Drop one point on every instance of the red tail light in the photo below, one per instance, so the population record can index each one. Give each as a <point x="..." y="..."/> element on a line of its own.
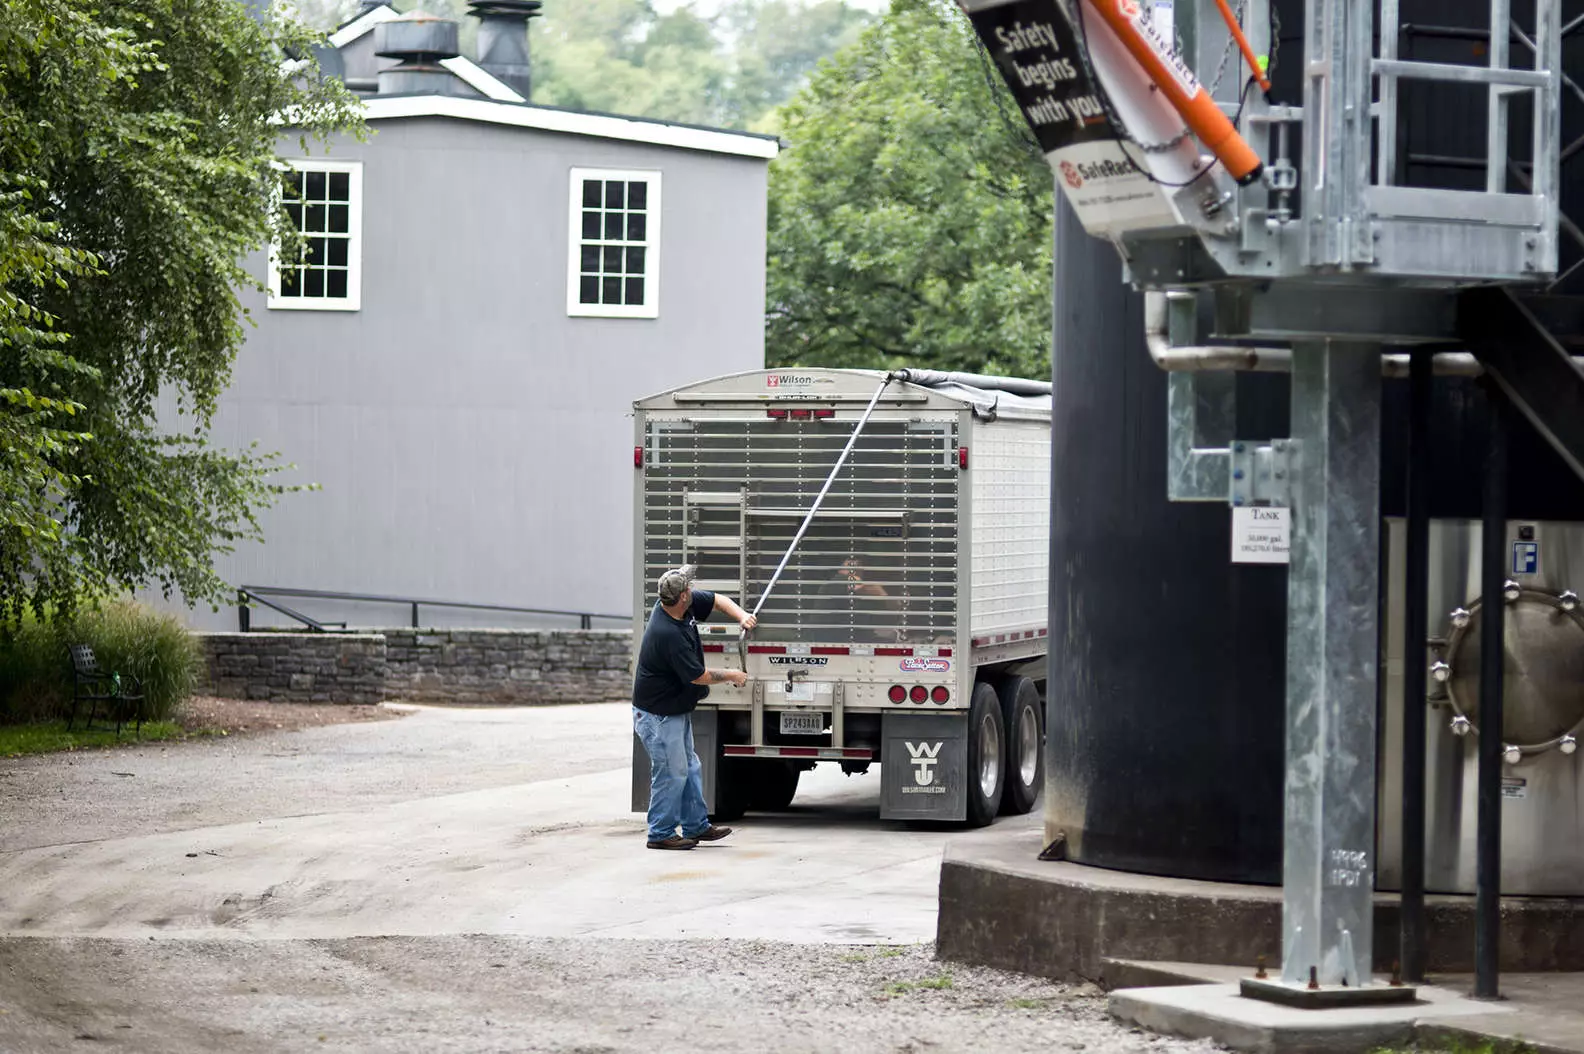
<point x="962" y="457"/>
<point x="940" y="694"/>
<point x="918" y="694"/>
<point x="897" y="693"/>
<point x="637" y="457"/>
<point x="801" y="415"/>
<point x="777" y="414"/>
<point x="822" y="414"/>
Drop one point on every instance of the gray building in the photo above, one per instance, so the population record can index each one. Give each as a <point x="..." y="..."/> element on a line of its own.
<point x="488" y="286"/>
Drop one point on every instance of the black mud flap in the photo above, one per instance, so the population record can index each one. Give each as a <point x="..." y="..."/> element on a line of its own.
<point x="704" y="741"/>
<point x="923" y="766"/>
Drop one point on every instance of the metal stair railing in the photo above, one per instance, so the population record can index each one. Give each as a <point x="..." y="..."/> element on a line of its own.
<point x="248" y="595"/>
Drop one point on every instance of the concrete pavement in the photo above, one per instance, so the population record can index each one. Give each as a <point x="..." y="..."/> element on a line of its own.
<point x="497" y="822"/>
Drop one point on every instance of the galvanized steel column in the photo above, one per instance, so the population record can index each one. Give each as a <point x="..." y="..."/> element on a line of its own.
<point x="1328" y="873"/>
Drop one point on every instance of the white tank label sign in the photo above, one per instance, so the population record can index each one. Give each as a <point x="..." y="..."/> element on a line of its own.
<point x="1261" y="534"/>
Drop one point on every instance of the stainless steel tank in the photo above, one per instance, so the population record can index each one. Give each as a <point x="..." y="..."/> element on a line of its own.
<point x="1543" y="720"/>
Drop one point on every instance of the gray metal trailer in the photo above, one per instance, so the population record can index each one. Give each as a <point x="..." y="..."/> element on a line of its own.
<point x="907" y="623"/>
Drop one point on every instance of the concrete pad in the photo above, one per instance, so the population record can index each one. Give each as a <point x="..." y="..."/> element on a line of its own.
<point x="1000" y="905"/>
<point x="1218" y="1012"/>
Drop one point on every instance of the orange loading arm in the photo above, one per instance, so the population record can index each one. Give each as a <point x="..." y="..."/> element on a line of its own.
<point x="1203" y="117"/>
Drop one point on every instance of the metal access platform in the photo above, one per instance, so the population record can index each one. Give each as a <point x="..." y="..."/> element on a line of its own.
<point x="1335" y="206"/>
<point x="1303" y="230"/>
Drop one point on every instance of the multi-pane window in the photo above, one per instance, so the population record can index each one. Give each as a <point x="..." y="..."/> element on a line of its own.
<point x="615" y="243"/>
<point x="324" y="202"/>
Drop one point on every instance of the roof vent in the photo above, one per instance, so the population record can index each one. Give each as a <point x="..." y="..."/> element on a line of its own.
<point x="419" y="42"/>
<point x="503" y="40"/>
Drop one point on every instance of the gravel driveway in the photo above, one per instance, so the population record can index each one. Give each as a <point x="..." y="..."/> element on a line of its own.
<point x="473" y="881"/>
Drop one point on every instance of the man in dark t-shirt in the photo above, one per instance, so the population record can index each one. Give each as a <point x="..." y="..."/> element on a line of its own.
<point x="670" y="680"/>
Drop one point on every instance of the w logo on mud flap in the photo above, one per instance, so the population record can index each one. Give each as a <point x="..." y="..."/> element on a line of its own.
<point x="924" y="757"/>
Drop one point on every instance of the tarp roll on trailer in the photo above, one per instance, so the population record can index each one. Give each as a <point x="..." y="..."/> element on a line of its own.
<point x="938" y="378"/>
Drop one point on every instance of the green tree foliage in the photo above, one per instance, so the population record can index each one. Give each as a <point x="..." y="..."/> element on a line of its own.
<point x="910" y="219"/>
<point x="136" y="149"/>
<point x="729" y="70"/>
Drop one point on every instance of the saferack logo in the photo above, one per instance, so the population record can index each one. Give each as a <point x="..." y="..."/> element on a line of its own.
<point x="1095" y="171"/>
<point x="924" y="757"/>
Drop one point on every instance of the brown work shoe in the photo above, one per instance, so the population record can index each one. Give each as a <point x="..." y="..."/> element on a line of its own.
<point x="674" y="842"/>
<point x="712" y="833"/>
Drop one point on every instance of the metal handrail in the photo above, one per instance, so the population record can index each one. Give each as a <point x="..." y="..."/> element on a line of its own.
<point x="247" y="594"/>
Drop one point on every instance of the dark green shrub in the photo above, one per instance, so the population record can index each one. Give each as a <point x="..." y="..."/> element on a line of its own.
<point x="128" y="638"/>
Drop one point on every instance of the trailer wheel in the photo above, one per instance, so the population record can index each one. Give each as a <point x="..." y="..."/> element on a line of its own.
<point x="733" y="784"/>
<point x="773" y="787"/>
<point x="986" y="756"/>
<point x="1022" y="711"/>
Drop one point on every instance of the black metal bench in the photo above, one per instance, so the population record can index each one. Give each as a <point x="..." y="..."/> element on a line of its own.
<point x="92" y="685"/>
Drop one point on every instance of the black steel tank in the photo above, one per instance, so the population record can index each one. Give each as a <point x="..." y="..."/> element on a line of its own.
<point x="1166" y="690"/>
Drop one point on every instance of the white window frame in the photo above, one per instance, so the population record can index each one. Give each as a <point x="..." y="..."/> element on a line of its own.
<point x="650" y="308"/>
<point x="353" y="301"/>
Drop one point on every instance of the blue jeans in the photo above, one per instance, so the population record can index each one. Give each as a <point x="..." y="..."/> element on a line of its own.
<point x="676" y="785"/>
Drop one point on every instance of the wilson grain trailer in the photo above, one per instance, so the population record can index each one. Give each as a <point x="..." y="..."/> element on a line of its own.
<point x="890" y="530"/>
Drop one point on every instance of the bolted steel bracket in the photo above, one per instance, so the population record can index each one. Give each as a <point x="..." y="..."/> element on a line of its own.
<point x="1261" y="474"/>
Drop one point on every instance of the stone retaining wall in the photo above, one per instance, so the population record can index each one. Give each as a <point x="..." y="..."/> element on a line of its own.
<point x="508" y="666"/>
<point x="520" y="667"/>
<point x="296" y="667"/>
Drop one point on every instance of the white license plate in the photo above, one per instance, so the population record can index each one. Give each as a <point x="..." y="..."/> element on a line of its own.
<point x="802" y="724"/>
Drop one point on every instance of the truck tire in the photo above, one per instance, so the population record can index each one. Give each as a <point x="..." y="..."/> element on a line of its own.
<point x="986" y="776"/>
<point x="773" y="787"/>
<point x="1023" y="714"/>
<point x="733" y="784"/>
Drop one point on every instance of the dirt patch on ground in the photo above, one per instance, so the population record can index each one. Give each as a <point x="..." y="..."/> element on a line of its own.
<point x="204" y="713"/>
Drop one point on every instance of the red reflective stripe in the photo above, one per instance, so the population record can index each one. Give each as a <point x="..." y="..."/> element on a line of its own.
<point x="638" y="457"/>
<point x="767" y="649"/>
<point x="893" y="651"/>
<point x="738" y="751"/>
<point x="798" y="752"/>
<point x="714" y="647"/>
<point x="830" y="651"/>
<point x="944" y="653"/>
<point x="1043" y="632"/>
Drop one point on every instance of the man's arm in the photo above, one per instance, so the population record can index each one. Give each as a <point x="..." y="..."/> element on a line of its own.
<point x="728" y="607"/>
<point x="736" y="677"/>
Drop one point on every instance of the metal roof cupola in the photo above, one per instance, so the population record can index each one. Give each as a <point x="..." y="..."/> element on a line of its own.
<point x="419" y="42"/>
<point x="503" y="40"/>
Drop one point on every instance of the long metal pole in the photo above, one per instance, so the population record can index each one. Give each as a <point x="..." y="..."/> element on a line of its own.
<point x="1493" y="577"/>
<point x="1416" y="630"/>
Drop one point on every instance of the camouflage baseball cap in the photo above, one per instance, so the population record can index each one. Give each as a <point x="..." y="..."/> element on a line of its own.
<point x="674" y="583"/>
